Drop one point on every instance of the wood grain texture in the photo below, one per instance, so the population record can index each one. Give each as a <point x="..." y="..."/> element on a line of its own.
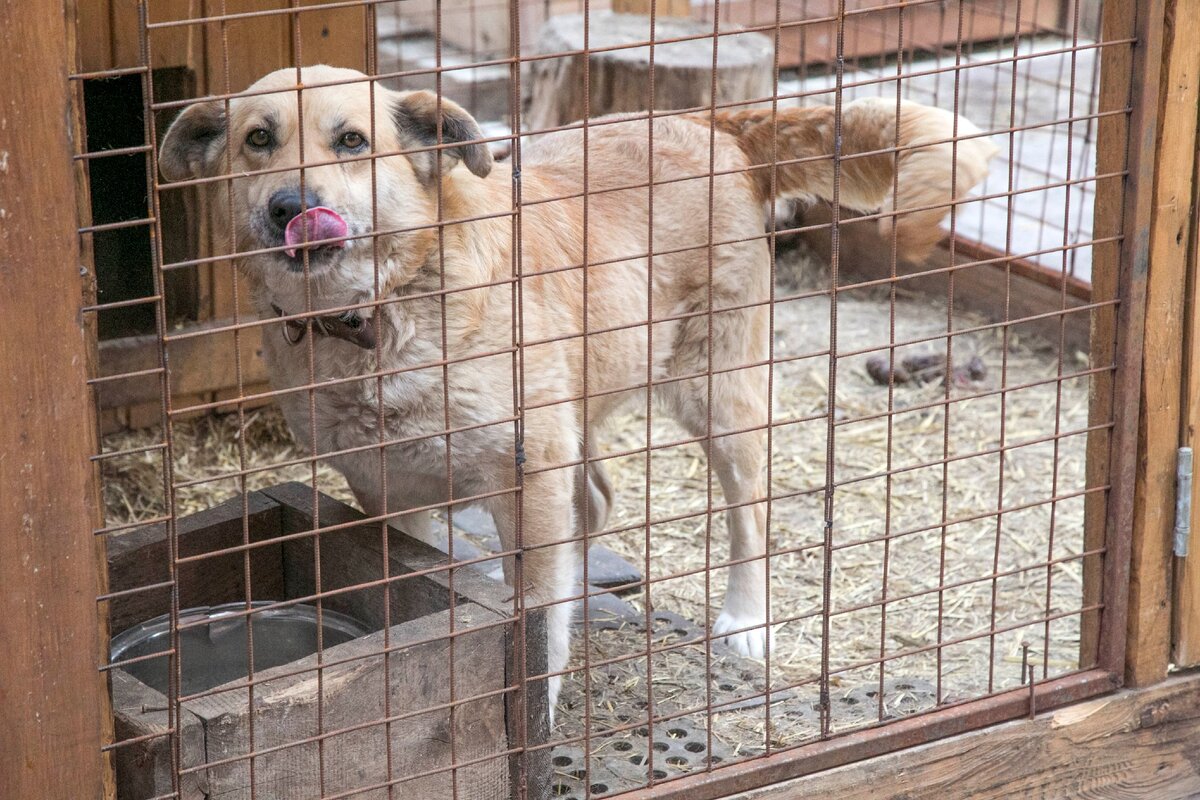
<point x="337" y="37"/>
<point x="350" y="690"/>
<point x="198" y="364"/>
<point x="1136" y="744"/>
<point x="351" y="694"/>
<point x="50" y="694"/>
<point x="78" y="17"/>
<point x="1111" y="154"/>
<point x="1161" y="386"/>
<point x="142" y="558"/>
<point x="1130" y="85"/>
<point x="1186" y="612"/>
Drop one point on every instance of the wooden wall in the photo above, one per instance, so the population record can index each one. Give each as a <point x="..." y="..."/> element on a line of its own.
<point x="222" y="57"/>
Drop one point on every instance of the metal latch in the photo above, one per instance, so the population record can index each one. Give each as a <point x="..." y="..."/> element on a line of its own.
<point x="1183" y="501"/>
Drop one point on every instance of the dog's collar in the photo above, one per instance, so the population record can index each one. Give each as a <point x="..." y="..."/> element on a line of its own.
<point x="349" y="326"/>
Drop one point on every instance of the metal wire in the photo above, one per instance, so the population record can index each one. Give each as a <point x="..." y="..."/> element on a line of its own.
<point x="1002" y="64"/>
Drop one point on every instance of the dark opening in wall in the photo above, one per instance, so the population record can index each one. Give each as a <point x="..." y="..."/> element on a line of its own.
<point x="124" y="260"/>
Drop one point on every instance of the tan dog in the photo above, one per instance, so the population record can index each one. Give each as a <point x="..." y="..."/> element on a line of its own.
<point x="438" y="362"/>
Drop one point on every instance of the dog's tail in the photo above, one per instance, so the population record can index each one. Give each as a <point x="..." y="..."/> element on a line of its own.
<point x="911" y="152"/>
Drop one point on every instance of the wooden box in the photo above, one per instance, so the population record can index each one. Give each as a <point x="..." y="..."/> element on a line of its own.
<point x="297" y="759"/>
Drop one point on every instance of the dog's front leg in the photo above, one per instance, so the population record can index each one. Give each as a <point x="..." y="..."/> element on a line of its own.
<point x="416" y="524"/>
<point x="547" y="565"/>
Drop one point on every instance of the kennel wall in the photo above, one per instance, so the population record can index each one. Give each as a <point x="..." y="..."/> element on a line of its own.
<point x="944" y="555"/>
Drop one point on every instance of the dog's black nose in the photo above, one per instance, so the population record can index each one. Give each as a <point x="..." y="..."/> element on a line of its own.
<point x="285" y="204"/>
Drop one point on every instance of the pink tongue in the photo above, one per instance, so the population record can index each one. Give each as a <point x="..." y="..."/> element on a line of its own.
<point x="313" y="226"/>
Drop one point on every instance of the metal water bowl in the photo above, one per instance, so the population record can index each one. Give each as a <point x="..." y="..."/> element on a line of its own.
<point x="214" y="645"/>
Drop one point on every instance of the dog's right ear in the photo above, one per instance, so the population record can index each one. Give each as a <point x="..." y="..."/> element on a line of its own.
<point x="194" y="142"/>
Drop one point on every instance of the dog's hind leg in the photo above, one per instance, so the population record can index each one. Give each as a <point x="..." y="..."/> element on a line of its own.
<point x="739" y="403"/>
<point x="738" y="461"/>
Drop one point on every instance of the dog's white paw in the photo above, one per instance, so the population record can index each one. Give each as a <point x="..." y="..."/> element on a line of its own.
<point x="752" y="642"/>
<point x="555" y="688"/>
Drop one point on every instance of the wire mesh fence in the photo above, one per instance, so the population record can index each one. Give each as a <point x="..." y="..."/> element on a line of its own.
<point x="465" y="440"/>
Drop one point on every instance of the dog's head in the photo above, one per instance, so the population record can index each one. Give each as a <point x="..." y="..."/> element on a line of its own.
<point x="261" y="138"/>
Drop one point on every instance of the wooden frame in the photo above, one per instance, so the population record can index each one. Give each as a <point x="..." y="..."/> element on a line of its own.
<point x="1162" y="388"/>
<point x="54" y="727"/>
<point x="1132" y="744"/>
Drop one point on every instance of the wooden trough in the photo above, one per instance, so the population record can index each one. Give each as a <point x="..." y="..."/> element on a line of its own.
<point x="281" y="561"/>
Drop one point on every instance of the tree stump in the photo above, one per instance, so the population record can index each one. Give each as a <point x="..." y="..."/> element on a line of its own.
<point x="619" y="80"/>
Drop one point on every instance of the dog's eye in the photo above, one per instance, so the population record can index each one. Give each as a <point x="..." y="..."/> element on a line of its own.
<point x="259" y="137"/>
<point x="352" y="140"/>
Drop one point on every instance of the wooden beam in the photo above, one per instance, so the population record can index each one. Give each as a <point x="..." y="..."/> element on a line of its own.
<point x="1161" y="387"/>
<point x="1035" y="306"/>
<point x="77" y="18"/>
<point x="1126" y="147"/>
<point x="198" y="364"/>
<point x="50" y="693"/>
<point x="1186" y="611"/>
<point x="1111" y="155"/>
<point x="1138" y="743"/>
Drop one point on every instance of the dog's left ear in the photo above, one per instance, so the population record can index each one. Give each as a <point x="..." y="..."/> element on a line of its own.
<point x="416" y="118"/>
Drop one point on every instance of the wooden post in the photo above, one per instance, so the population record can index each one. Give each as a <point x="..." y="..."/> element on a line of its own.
<point x="1186" y="611"/>
<point x="83" y="211"/>
<point x="50" y="690"/>
<point x="1161" y="386"/>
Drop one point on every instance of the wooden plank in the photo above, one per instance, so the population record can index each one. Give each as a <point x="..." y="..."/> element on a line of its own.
<point x="864" y="255"/>
<point x="300" y="514"/>
<point x="1123" y="209"/>
<point x="51" y="726"/>
<point x="77" y="16"/>
<point x="95" y="49"/>
<point x="1161" y="387"/>
<point x="663" y="8"/>
<point x="361" y="686"/>
<point x="360" y="555"/>
<point x="142" y="557"/>
<point x="337" y="37"/>
<point x="254" y="46"/>
<point x="927" y="26"/>
<point x="1111" y="154"/>
<point x="146" y="768"/>
<point x="1139" y="743"/>
<point x="198" y="364"/>
<point x="1186" y="610"/>
<point x="176" y="46"/>
<point x="231" y="396"/>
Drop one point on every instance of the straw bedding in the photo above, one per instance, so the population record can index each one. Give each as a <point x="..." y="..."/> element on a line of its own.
<point x="883" y="530"/>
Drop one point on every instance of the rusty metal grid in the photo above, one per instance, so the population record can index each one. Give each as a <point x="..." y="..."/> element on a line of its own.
<point x="533" y="755"/>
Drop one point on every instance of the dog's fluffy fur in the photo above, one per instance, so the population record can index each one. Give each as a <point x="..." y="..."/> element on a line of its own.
<point x="444" y="361"/>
